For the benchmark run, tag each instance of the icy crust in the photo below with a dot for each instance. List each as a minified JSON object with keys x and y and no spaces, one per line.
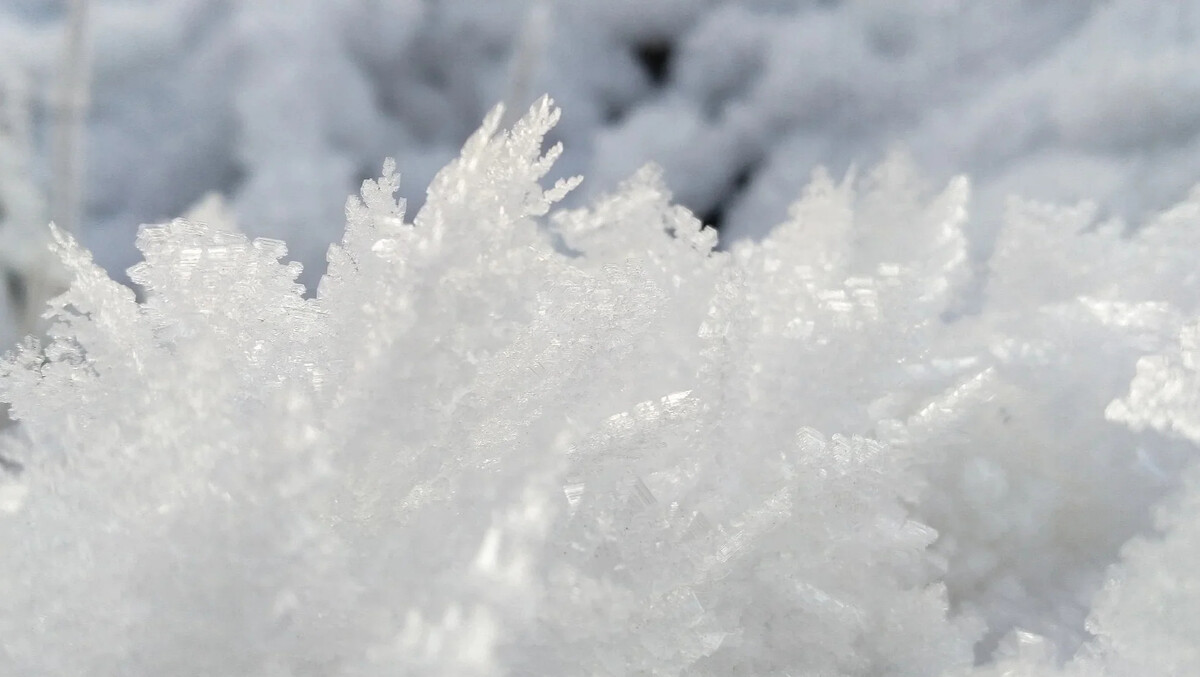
{"x":508,"y":439}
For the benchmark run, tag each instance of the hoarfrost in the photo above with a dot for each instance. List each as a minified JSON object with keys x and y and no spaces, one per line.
{"x":508,"y":438}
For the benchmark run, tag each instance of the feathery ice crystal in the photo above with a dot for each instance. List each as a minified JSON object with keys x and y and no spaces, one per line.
{"x":503,"y":439}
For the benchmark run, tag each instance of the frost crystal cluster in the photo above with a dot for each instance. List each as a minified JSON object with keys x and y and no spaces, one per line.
{"x":505,"y":439}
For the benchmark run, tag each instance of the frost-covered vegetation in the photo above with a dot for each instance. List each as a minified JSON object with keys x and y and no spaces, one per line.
{"x":507,"y":438}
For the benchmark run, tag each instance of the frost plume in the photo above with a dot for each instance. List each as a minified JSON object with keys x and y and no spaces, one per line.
{"x":509,"y":439}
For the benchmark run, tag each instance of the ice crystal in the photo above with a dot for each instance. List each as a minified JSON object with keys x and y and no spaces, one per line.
{"x":505,"y":438}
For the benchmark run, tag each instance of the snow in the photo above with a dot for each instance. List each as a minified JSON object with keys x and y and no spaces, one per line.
{"x":330,"y":482}
{"x":895,"y":421}
{"x":1055,"y":101}
{"x":506,"y":437}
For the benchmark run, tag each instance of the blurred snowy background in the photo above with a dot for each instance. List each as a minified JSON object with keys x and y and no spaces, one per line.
{"x":285,"y":107}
